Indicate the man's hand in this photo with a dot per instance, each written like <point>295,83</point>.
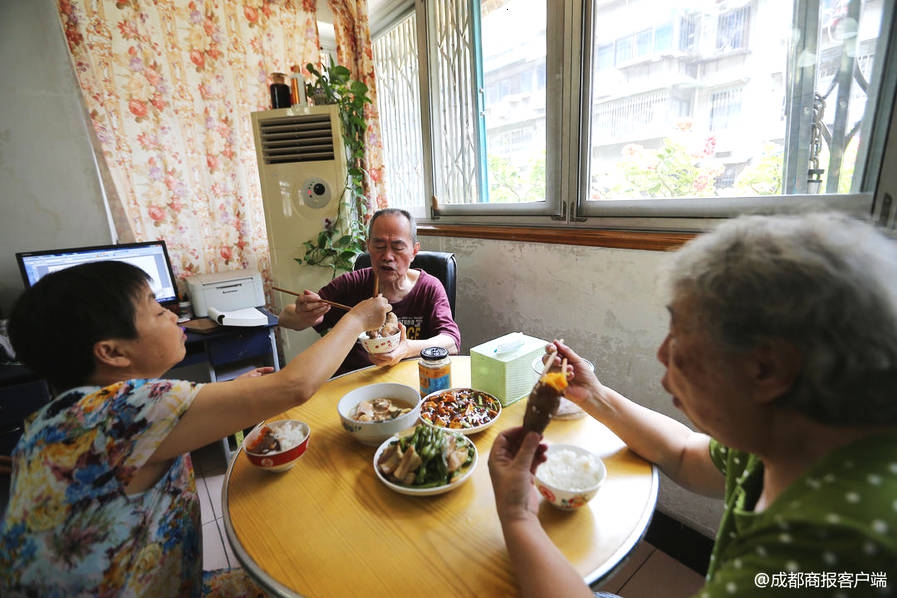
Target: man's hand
<point>308,310</point>
<point>394,356</point>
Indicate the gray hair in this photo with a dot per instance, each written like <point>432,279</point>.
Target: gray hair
<point>394,212</point>
<point>826,283</point>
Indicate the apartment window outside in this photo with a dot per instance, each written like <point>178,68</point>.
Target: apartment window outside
<point>725,108</point>
<point>731,31</point>
<point>738,102</point>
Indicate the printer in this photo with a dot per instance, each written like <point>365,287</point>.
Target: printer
<point>230,298</point>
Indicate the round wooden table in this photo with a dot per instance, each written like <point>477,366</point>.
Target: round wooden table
<point>329,527</point>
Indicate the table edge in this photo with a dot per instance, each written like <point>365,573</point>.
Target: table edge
<point>255,572</point>
<point>602,573</point>
<point>270,584</point>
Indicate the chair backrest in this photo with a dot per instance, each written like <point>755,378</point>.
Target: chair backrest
<point>440,264</point>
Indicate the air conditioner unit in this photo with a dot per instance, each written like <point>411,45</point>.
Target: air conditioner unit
<point>302,170</point>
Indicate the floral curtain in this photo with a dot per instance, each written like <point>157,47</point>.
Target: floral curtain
<point>170,87</point>
<point>355,51</point>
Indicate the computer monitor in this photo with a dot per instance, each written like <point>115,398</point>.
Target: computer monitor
<point>150,256</point>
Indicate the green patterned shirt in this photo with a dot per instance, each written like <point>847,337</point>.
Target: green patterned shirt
<point>832,533</point>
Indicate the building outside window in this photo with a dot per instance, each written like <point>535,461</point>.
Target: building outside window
<point>754,101</point>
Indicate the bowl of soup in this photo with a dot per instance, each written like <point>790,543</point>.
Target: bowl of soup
<point>373,413</point>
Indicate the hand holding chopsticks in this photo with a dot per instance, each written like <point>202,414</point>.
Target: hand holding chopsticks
<point>328,302</point>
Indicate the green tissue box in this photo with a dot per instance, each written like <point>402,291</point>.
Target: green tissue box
<point>503,366</point>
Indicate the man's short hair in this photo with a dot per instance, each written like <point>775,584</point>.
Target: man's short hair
<point>394,212</point>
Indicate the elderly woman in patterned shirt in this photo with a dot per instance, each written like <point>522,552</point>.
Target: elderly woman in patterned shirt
<point>782,351</point>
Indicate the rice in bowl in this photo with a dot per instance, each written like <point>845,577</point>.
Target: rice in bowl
<point>571,471</point>
<point>570,476</point>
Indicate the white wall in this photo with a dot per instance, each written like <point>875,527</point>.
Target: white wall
<point>602,301</point>
<point>50,194</point>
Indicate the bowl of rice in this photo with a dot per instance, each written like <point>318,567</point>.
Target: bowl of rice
<point>570,477</point>
<point>277,445</point>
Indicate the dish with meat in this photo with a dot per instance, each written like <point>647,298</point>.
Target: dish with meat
<point>425,461</point>
<point>464,410</point>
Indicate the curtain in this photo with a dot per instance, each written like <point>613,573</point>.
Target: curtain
<point>354,50</point>
<point>170,86</point>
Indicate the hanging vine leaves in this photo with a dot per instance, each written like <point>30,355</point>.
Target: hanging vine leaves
<point>343,239</point>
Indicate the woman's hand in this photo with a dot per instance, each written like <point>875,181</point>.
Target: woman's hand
<point>515,455</point>
<point>582,383</point>
<point>371,313</point>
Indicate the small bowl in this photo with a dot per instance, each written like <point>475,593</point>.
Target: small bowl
<point>381,344</point>
<point>285,458</point>
<point>549,478</point>
<point>374,433</point>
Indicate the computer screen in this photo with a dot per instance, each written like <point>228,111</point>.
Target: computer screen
<point>150,256</point>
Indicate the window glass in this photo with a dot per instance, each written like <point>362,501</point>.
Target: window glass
<point>621,108</point>
<point>513,51</point>
<point>758,100</point>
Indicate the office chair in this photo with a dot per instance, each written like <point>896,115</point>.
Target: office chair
<point>440,264</point>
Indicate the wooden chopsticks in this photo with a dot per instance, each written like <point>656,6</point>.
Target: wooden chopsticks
<point>327,301</point>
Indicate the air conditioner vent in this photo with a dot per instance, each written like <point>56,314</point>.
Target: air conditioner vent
<point>301,138</point>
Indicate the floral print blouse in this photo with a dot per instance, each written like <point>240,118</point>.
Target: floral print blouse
<point>71,529</point>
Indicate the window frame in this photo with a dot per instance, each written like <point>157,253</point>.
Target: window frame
<point>567,204</point>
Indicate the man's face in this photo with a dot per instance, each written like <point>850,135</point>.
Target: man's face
<point>391,247</point>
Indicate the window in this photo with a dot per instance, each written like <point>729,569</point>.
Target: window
<point>676,109</point>
<point>731,30</point>
<point>725,108</point>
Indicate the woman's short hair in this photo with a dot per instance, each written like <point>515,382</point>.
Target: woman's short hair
<point>825,282</point>
<point>55,324</point>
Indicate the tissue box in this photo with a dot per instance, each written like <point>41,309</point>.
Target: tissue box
<point>503,366</point>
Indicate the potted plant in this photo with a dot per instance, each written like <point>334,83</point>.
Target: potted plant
<point>343,239</point>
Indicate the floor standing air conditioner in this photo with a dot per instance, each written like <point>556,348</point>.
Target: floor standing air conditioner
<point>302,169</point>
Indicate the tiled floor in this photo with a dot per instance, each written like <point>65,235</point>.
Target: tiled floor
<point>210,465</point>
<point>647,573</point>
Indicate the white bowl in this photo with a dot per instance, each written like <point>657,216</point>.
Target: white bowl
<point>381,344</point>
<point>373,433</point>
<point>286,457</point>
<point>549,477</point>
<point>433,490</point>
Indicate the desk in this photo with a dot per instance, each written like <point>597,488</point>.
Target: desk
<point>328,527</point>
<point>228,351</point>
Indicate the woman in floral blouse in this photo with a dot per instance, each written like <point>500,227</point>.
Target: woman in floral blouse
<point>103,497</point>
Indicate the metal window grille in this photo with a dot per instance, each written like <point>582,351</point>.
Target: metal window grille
<point>725,108</point>
<point>732,29</point>
<point>396,69</point>
<point>631,117</point>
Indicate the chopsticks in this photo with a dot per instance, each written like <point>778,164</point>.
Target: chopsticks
<point>327,301</point>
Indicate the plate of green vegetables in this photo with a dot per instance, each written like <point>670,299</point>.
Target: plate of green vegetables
<point>425,460</point>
